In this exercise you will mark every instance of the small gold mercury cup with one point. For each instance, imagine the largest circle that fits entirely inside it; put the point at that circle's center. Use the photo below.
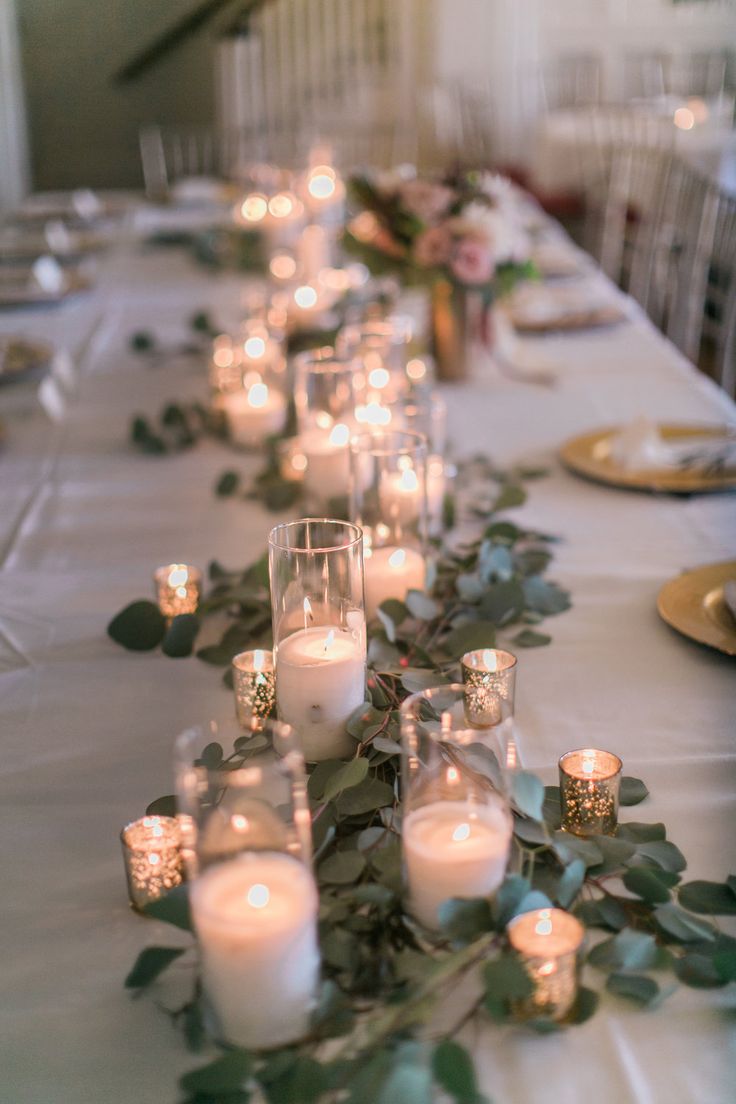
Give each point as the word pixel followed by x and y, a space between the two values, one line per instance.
pixel 153 858
pixel 254 685
pixel 590 781
pixel 489 676
pixel 178 589
pixel 548 942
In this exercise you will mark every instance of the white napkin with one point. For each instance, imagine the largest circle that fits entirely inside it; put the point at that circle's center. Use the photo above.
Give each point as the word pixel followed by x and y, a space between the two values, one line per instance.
pixel 86 204
pixel 48 275
pixel 639 446
pixel 57 236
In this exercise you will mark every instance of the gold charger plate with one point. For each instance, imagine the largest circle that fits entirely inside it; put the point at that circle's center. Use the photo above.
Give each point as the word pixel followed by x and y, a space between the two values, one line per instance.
pixel 588 455
pixel 694 605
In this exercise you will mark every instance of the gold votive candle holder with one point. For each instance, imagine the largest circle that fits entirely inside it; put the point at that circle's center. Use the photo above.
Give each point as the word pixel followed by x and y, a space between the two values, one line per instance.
pixel 590 780
pixel 548 942
pixel 489 676
pixel 153 858
pixel 254 684
pixel 178 588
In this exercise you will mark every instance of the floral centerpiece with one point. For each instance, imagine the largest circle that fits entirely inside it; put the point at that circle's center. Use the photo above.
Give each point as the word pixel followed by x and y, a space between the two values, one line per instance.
pixel 460 234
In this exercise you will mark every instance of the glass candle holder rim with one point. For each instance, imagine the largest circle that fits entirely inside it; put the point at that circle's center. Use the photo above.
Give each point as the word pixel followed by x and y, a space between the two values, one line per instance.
pixel 414 444
pixel 161 573
pixel 238 660
pixel 324 359
pixel 211 727
pixel 572 924
pixel 345 545
pixel 615 763
pixel 467 660
pixel 172 823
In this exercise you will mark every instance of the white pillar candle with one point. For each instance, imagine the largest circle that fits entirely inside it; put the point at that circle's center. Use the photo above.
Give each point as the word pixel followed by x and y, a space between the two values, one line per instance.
pixel 254 414
pixel 320 681
pixel 391 572
pixel 400 496
pixel 328 461
pixel 435 494
pixel 313 252
pixel 453 849
pixel 256 923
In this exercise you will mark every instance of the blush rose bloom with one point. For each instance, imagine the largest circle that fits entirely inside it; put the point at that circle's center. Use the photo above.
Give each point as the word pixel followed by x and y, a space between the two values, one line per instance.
pixel 433 247
pixel 471 262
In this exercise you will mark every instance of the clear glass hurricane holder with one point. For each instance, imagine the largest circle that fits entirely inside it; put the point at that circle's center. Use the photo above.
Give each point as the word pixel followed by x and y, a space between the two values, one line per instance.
pixel 248 377
pixel 254 900
pixel 456 823
pixel 325 397
pixel 388 499
pixel 316 569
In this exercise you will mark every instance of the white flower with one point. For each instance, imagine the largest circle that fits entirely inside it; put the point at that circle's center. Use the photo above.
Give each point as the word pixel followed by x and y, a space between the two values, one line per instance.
pixel 389 181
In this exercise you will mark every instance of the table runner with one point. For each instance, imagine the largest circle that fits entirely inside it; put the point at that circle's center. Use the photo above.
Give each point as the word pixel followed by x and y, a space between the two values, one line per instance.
pixel 88 728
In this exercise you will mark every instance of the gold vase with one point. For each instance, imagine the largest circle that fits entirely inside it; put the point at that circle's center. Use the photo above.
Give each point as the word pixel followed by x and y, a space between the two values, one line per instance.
pixel 450 338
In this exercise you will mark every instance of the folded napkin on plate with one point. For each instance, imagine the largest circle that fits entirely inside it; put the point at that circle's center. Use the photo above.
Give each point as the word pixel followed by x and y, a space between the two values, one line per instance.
pixel 639 446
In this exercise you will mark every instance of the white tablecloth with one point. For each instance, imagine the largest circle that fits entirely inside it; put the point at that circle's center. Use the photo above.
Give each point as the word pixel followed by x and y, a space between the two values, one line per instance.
pixel 88 728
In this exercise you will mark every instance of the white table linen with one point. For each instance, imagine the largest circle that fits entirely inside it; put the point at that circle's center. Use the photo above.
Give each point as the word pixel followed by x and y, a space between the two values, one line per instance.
pixel 88 727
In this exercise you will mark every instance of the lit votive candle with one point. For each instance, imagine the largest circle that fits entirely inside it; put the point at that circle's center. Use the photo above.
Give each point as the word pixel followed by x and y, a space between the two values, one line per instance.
pixel 292 460
pixel 400 495
pixel 489 676
pixel 178 589
pixel 454 849
pixel 589 786
pixel 254 684
pixel 548 942
pixel 320 681
pixel 152 857
pixel 391 572
pixel 253 414
pixel 328 461
pixel 256 922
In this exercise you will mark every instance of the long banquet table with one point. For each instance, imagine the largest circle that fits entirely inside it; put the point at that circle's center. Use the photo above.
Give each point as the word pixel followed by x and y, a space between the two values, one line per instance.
pixel 88 728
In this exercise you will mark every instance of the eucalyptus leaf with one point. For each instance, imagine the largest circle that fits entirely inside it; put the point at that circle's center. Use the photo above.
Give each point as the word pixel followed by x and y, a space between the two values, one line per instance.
pixel 636 987
pixel 628 950
pixel 463 920
pixel 225 1075
pixel 415 679
pixel 505 980
pixel 350 774
pixel 632 791
pixel 641 833
pixel 341 868
pixel 543 596
pixel 682 925
pixel 708 898
pixel 584 1007
pixel 570 883
pixel 150 963
pixel 511 495
pixel 173 908
pixel 698 971
pixel 528 794
pixel 454 1071
pixel 664 854
pixel 511 893
pixel 528 638
pixel 163 806
pixel 180 635
pixel 227 484
pixel 369 795
pixel 139 627
pixel 469 638
pixel 502 602
pixel 421 606
pixel 645 884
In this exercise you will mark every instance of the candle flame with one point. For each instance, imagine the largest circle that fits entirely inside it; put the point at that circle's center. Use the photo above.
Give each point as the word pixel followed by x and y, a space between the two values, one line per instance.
pixel 543 925
pixel 321 182
pixel 281 205
pixel 462 832
pixel 416 370
pixel 178 576
pixel 258 395
pixel 258 658
pixel 259 895
pixel 307 609
pixel 340 435
pixel 282 266
pixel 255 347
pixel 305 296
pixel 378 378
pixel 154 859
pixel 547 968
pixel 329 639
pixel 588 763
pixel 408 481
pixel 397 559
pixel 239 822
pixel 254 208
pixel 452 774
pixel 490 660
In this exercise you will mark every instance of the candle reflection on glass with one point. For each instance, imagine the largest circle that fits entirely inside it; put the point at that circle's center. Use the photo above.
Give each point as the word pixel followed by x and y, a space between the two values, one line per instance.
pixel 590 780
pixel 178 589
pixel 489 675
pixel 548 942
pixel 152 857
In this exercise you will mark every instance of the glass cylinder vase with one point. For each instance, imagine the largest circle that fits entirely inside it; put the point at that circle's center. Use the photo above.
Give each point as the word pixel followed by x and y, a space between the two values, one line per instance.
pixel 325 397
pixel 388 499
pixel 456 823
pixel 253 896
pixel 316 569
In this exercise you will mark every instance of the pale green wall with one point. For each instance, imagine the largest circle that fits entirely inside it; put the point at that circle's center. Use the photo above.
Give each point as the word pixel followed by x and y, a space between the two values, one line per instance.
pixel 84 130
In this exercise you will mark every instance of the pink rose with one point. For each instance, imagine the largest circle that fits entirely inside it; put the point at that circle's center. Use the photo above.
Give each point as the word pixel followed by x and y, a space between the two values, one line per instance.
pixel 433 247
pixel 427 201
pixel 471 262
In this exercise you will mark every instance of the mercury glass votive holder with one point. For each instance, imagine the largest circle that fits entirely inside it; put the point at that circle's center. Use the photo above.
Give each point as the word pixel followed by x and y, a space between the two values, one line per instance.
pixel 178 588
pixel 153 858
pixel 489 677
pixel 548 941
pixel 590 781
pixel 254 684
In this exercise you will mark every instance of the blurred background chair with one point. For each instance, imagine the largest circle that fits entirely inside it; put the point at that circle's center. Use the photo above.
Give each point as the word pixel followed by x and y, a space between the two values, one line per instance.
pixel 573 80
